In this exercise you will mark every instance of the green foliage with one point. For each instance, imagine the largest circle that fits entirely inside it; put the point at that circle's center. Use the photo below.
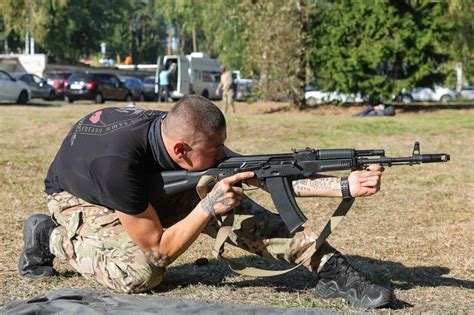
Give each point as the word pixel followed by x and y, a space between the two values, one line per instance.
pixel 461 46
pixel 95 59
pixel 223 24
pixel 378 48
pixel 274 47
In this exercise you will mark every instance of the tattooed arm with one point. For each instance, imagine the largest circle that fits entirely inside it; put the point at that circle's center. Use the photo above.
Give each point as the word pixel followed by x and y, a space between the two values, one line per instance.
pixel 163 246
pixel 362 183
pixel 323 186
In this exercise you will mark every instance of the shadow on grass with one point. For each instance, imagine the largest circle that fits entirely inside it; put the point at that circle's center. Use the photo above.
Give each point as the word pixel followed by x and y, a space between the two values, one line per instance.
pixel 431 107
pixel 280 109
pixel 33 104
pixel 387 273
pixel 412 107
pixel 405 278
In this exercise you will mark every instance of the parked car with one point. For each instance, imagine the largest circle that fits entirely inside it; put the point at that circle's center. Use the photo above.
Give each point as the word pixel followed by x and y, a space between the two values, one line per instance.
pixel 314 97
pixel 467 92
pixel 136 86
pixel 57 81
pixel 242 87
pixel 12 89
pixel 96 86
pixel 426 94
pixel 309 88
pixel 39 87
pixel 149 86
pixel 243 90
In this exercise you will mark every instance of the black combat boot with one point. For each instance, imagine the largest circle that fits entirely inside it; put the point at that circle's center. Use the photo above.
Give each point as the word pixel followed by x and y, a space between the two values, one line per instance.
pixel 36 260
pixel 339 279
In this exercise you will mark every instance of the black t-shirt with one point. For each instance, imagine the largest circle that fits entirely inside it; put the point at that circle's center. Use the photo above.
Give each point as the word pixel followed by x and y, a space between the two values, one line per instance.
pixel 108 157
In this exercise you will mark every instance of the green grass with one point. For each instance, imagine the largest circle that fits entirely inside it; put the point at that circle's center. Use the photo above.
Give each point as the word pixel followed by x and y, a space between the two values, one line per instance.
pixel 415 235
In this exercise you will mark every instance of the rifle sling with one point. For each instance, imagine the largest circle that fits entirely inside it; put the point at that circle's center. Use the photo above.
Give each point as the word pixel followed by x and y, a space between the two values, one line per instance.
pixel 228 222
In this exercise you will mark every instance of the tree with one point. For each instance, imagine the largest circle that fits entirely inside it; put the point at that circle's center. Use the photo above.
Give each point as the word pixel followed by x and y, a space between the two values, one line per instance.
pixel 25 18
pixel 461 45
pixel 77 28
pixel 223 26
pixel 275 49
pixel 378 48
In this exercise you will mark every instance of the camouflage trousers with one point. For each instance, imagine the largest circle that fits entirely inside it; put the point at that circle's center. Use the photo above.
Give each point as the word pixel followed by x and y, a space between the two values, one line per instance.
pixel 228 98
pixel 92 240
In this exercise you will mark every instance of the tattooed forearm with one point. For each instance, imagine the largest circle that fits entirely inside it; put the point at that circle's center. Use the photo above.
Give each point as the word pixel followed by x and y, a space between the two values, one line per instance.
pixel 317 186
pixel 158 259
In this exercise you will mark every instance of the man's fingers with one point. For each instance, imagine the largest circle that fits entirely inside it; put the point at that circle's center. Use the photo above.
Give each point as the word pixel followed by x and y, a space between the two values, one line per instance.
pixel 238 177
pixel 375 167
pixel 238 190
pixel 370 173
pixel 370 183
pixel 369 178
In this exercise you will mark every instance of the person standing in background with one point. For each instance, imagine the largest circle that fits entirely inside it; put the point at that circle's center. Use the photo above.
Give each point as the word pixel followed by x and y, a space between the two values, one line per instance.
pixel 165 83
pixel 226 85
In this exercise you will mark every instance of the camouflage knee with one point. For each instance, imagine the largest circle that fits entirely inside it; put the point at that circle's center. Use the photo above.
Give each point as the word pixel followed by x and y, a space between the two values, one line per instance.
pixel 130 274
pixel 123 270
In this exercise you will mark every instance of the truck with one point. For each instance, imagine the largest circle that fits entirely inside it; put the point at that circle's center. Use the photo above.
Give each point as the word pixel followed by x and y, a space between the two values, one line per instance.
pixel 196 73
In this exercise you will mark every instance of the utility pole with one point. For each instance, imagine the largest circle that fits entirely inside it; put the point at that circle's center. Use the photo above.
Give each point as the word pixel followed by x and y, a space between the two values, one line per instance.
pixel 29 40
pixel 5 40
pixel 194 38
pixel 459 77
pixel 27 35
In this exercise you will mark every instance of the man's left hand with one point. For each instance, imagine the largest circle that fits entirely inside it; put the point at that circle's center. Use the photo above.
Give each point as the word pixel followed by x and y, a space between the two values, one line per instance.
pixel 363 183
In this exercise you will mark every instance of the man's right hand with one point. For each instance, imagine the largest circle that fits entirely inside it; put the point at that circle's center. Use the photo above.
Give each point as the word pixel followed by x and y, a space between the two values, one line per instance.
pixel 224 196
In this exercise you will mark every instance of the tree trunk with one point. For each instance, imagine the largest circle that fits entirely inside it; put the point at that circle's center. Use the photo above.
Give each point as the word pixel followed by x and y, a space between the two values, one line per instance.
pixel 131 40
pixel 194 38
pixel 170 40
pixel 182 42
pixel 300 74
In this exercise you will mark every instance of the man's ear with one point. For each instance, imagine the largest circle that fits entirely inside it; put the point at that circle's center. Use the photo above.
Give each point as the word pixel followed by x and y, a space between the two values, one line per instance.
pixel 180 149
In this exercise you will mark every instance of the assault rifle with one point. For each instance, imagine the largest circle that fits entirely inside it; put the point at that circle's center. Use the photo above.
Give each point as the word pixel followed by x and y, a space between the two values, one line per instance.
pixel 277 171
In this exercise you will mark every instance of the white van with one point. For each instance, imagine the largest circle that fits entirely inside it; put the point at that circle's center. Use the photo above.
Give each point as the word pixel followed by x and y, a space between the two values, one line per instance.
pixel 196 73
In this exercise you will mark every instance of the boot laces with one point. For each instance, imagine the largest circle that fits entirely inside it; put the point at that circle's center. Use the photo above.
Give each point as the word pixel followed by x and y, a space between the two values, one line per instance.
pixel 348 275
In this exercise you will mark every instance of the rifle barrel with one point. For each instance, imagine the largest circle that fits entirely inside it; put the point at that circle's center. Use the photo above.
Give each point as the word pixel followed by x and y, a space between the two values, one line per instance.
pixel 409 160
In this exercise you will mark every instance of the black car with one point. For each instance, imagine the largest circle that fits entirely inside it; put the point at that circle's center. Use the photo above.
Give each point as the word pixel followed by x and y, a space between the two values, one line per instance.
pixel 149 85
pixel 39 87
pixel 96 86
pixel 136 86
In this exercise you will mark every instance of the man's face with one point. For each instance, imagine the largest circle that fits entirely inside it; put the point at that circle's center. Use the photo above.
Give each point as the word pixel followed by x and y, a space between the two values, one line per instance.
pixel 206 152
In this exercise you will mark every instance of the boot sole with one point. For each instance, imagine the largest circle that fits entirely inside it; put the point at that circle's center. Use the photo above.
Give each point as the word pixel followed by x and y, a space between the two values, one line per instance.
pixel 332 290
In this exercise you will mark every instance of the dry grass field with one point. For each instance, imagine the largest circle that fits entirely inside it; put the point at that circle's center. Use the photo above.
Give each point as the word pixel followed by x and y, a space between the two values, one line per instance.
pixel 416 235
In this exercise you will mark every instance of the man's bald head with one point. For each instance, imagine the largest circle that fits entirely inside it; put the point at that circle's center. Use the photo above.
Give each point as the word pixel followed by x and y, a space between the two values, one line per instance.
pixel 193 116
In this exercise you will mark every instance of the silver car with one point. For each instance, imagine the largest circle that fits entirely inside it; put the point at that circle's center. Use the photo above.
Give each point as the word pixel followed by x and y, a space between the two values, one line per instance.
pixel 12 89
pixel 39 87
pixel 426 94
pixel 467 92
